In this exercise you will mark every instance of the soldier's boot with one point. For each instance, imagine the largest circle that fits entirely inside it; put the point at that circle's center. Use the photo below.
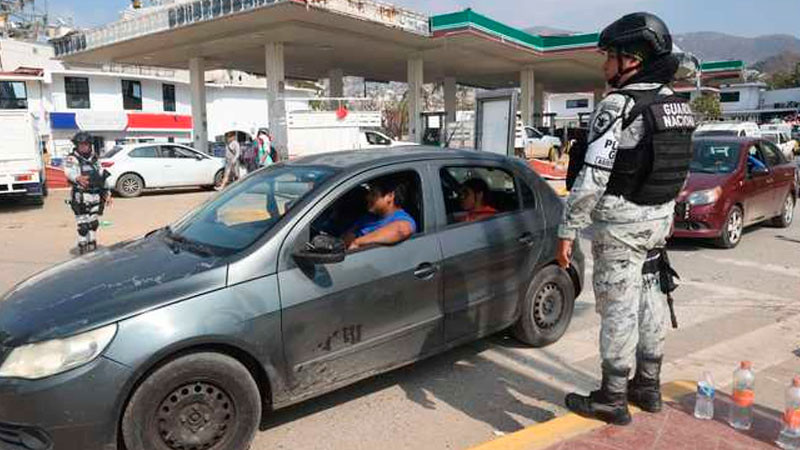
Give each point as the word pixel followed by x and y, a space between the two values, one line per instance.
pixel 644 390
pixel 83 248
pixel 609 403
pixel 91 246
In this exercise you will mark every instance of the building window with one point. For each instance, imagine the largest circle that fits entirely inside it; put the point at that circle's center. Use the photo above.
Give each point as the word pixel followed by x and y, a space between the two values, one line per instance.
pixel 132 94
pixel 77 90
pixel 13 95
pixel 169 97
pixel 578 103
pixel 729 97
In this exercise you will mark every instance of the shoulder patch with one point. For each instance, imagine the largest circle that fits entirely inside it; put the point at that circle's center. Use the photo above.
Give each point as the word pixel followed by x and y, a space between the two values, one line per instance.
pixel 602 121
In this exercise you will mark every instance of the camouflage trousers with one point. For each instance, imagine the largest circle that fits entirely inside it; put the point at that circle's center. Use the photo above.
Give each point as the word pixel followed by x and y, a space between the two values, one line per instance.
pixel 632 308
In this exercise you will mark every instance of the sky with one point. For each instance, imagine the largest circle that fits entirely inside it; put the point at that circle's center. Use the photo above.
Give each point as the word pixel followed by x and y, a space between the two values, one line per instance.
pixel 746 18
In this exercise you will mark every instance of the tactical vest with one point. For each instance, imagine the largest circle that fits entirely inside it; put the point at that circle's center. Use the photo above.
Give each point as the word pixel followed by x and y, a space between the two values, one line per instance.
pixel 90 168
pixel 654 172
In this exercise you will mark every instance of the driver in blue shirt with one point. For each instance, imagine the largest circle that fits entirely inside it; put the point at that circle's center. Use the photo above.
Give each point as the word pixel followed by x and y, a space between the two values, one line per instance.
pixel 754 163
pixel 386 223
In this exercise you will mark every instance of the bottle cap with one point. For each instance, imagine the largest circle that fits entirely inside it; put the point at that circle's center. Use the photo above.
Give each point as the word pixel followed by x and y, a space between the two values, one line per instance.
pixel 746 365
pixel 796 381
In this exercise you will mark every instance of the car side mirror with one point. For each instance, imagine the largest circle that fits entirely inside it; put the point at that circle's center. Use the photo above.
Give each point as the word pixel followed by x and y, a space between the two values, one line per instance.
pixel 199 157
pixel 323 249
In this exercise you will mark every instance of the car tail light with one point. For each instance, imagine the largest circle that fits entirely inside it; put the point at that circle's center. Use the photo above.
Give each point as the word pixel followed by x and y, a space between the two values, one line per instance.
pixel 27 177
pixel 106 163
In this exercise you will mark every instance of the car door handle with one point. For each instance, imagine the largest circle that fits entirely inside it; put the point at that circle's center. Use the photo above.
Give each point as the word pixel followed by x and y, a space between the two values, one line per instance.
pixel 425 271
pixel 526 239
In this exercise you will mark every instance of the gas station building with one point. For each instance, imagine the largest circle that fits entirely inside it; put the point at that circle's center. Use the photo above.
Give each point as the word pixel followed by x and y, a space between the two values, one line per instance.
pixel 316 39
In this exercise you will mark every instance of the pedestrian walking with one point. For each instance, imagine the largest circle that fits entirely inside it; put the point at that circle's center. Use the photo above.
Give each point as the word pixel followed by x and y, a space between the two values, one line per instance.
pixel 90 193
pixel 264 148
pixel 232 164
pixel 635 163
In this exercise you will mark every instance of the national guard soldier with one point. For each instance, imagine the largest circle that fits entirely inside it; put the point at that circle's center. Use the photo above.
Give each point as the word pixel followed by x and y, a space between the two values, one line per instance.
pixel 635 164
pixel 89 191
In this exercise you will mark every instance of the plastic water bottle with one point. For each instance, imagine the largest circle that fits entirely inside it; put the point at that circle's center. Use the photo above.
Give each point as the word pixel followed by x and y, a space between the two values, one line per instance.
pixel 789 438
pixel 106 223
pixel 704 401
pixel 743 397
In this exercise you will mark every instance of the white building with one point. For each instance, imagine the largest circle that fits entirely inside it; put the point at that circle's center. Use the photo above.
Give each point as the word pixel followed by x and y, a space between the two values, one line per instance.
pixel 752 101
pixel 570 109
pixel 116 103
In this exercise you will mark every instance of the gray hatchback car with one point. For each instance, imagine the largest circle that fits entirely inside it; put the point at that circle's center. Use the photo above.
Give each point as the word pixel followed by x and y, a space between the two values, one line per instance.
pixel 184 338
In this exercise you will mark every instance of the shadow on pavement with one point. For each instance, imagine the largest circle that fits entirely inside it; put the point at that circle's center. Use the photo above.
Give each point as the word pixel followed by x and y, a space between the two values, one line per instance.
pixel 691 245
pixel 787 239
pixel 465 379
pixel 18 205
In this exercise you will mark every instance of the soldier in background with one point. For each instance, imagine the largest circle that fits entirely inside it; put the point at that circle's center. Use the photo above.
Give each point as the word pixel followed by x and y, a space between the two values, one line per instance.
pixel 90 194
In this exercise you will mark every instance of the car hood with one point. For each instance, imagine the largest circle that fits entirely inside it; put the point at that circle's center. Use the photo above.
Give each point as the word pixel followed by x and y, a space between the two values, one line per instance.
pixel 699 181
pixel 103 287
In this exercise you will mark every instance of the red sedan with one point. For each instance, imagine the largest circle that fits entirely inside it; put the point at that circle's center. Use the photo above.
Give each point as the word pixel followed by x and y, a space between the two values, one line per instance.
pixel 733 183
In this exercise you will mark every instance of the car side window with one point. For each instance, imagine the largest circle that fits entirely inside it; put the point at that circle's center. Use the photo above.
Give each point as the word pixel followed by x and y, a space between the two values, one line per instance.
pixel 144 152
pixel 529 132
pixel 474 193
pixel 351 212
pixel 169 151
pixel 376 139
pixel 771 154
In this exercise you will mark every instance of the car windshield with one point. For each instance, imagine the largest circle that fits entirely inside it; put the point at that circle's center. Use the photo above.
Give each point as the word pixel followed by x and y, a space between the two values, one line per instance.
pixel 716 133
pixel 248 209
pixel 715 157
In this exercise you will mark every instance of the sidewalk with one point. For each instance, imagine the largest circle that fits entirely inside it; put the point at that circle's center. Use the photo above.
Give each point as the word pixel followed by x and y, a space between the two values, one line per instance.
pixel 674 428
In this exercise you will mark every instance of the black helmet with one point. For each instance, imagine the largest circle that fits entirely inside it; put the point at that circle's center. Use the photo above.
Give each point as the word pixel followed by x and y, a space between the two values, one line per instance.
pixel 640 34
pixel 81 137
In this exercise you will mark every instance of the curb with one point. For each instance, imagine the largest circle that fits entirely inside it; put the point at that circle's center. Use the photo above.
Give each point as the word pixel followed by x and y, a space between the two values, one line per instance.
pixel 555 431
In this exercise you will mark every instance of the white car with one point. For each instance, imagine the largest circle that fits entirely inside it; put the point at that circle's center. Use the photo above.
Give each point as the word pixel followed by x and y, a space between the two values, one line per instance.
pixel 376 139
pixel 749 129
pixel 783 140
pixel 134 168
pixel 537 145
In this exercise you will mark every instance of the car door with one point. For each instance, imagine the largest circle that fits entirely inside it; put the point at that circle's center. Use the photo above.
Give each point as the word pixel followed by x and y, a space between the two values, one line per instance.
pixel 146 161
pixel 781 177
pixel 181 167
pixel 757 189
pixel 487 262
pixel 378 308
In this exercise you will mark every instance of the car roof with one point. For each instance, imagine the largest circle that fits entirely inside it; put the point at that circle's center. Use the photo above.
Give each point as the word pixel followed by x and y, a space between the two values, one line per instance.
pixel 376 157
pixel 729 139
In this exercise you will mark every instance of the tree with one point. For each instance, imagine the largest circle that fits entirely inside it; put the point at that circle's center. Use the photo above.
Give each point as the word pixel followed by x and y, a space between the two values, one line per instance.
pixel 707 107
pixel 785 79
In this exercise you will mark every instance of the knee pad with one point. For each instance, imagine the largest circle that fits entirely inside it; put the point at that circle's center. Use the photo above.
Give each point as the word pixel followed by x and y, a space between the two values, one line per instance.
pixel 93 225
pixel 83 229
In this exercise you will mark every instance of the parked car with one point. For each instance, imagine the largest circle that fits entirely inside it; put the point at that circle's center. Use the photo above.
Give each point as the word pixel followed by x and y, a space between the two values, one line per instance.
pixel 728 191
pixel 535 144
pixel 782 140
pixel 186 337
pixel 749 129
pixel 134 168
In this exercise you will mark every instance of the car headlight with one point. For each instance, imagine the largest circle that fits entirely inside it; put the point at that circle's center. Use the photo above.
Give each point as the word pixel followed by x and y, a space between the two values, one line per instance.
pixel 705 197
pixel 55 356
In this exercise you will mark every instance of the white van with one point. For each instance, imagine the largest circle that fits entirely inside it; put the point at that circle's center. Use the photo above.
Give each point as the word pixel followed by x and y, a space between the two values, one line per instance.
pixel 749 129
pixel 22 171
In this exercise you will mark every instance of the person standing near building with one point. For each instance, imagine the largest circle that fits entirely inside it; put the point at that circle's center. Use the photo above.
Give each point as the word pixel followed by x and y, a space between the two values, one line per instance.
pixel 232 156
pixel 90 194
pixel 635 164
pixel 264 148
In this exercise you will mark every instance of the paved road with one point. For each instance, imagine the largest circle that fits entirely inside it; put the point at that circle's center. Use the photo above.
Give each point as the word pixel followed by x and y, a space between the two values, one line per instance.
pixel 735 304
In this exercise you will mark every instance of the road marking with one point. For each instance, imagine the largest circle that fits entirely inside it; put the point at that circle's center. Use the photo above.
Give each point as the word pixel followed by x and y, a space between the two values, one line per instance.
pixel 560 429
pixel 774 268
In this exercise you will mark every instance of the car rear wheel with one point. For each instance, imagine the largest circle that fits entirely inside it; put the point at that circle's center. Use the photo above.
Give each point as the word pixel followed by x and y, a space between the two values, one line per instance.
pixel 547 308
pixel 200 401
pixel 130 185
pixel 787 213
pixel 732 228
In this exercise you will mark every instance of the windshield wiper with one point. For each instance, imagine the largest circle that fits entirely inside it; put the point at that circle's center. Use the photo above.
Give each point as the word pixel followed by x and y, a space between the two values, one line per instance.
pixel 187 244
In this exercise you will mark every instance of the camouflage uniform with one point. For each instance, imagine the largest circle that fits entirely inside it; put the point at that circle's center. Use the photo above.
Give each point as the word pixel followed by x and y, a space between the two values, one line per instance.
pixel 632 307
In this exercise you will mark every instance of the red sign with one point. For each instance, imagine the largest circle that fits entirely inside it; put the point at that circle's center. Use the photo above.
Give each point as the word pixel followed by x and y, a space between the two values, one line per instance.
pixel 163 122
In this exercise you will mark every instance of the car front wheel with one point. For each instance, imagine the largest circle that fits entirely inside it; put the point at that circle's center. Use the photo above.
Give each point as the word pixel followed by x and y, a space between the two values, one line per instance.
pixel 732 228
pixel 787 213
pixel 198 401
pixel 547 308
pixel 130 185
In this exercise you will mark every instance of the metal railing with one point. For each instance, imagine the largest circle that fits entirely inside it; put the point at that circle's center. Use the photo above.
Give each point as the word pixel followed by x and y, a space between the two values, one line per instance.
pixel 186 12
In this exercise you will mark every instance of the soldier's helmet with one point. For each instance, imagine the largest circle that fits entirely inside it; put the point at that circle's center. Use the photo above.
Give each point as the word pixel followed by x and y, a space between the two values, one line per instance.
pixel 81 137
pixel 642 35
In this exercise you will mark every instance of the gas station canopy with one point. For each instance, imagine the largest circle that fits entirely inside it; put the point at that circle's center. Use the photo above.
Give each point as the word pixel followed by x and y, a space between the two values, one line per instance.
pixel 359 37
